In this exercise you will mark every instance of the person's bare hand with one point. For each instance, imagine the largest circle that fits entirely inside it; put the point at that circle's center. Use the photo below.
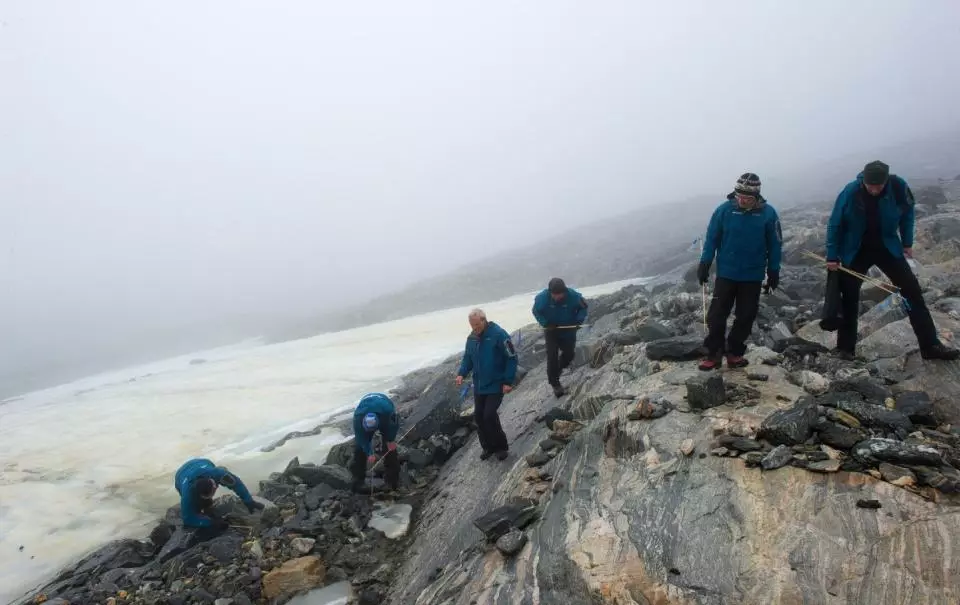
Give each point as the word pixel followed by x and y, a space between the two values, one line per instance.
pixel 832 265
pixel 459 381
pixel 908 252
pixel 507 388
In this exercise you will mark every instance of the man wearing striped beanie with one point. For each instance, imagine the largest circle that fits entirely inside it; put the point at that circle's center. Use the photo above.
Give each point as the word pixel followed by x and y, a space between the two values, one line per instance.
pixel 744 236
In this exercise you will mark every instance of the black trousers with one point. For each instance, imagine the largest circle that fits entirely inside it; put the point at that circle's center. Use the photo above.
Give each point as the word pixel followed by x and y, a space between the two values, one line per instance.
pixel 391 467
pixel 898 272
pixel 727 293
pixel 560 351
pixel 486 413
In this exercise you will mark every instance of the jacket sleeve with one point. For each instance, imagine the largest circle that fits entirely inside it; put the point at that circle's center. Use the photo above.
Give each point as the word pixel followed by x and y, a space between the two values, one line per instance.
pixel 538 308
pixel 231 481
pixel 835 227
pixel 188 510
pixel 581 314
pixel 391 427
pixel 774 242
pixel 712 240
pixel 466 364
pixel 360 437
pixel 510 370
pixel 908 219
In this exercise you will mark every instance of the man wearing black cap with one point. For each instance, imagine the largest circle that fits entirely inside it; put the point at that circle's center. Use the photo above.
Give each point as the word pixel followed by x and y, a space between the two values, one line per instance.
pixel 561 311
pixel 744 236
pixel 872 224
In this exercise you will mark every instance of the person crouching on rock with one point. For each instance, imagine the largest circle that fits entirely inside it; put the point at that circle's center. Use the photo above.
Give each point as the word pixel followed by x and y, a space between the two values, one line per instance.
pixel 196 482
pixel 745 237
pixel 560 311
pixel 490 355
pixel 872 223
pixel 375 412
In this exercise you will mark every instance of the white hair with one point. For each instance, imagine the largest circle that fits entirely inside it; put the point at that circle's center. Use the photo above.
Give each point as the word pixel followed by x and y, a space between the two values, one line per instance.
pixel 478 313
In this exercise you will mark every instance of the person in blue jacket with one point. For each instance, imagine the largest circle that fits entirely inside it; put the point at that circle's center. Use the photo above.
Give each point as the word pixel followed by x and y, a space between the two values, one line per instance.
pixel 196 482
pixel 560 311
pixel 872 223
pixel 375 412
pixel 490 355
pixel 744 236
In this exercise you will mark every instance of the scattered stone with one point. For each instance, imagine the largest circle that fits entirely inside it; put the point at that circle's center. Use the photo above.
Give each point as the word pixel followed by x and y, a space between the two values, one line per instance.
pixel 556 414
pixel 838 436
pixel 720 451
pixel 705 391
pixel 791 426
pixel 897 475
pixel 677 348
pixel 538 459
pixel 686 448
pixel 869 504
pixel 831 453
pixel 824 466
pixel 336 477
pixel 917 406
pixel 753 459
pixel 811 382
pixel 549 444
pixel 563 430
pixel 648 409
pixel 740 444
pixel 843 418
pixel 778 457
pixel 875 416
pixel 302 546
pixel 501 520
pixel 877 450
pixel 757 377
pixel 512 542
pixel 294 576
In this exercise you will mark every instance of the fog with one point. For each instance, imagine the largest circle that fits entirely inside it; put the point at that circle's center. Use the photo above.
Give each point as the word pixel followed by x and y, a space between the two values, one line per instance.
pixel 177 173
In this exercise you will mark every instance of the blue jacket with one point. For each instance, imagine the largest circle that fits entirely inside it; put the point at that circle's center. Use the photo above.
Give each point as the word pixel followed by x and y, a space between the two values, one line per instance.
pixel 746 243
pixel 848 221
pixel 492 359
pixel 195 469
pixel 379 404
pixel 572 311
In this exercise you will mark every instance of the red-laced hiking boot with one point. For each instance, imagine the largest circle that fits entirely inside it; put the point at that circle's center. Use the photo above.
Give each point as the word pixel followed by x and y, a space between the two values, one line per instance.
pixel 736 361
pixel 710 363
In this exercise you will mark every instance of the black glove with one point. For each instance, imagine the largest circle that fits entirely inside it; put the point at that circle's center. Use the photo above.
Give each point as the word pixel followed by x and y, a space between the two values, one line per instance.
pixel 219 524
pixel 550 327
pixel 703 273
pixel 254 506
pixel 773 280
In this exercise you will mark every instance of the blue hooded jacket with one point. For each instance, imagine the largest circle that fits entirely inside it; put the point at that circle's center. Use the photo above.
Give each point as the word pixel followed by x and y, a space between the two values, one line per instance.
pixel 197 468
pixel 389 424
pixel 746 243
pixel 571 311
pixel 492 359
pixel 848 221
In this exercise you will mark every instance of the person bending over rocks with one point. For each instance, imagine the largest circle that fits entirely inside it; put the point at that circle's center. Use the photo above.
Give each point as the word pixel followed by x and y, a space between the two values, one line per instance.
pixel 490 355
pixel 745 237
pixel 560 311
pixel 375 412
pixel 196 482
pixel 872 223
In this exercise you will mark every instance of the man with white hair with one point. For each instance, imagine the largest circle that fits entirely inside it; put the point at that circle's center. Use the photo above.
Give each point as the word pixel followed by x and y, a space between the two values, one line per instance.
pixel 490 355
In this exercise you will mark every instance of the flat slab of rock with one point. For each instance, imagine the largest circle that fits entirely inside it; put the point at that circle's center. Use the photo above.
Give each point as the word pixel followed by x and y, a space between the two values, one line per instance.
pixel 501 520
pixel 393 520
pixel 677 348
pixel 897 475
pixel 791 426
pixel 824 466
pixel 778 457
pixel 294 576
pixel 876 450
pixel 917 406
pixel 335 476
pixel 706 391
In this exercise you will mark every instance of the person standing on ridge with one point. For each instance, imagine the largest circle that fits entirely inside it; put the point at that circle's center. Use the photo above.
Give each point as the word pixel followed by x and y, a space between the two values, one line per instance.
pixel 375 412
pixel 745 237
pixel 490 355
pixel 196 482
pixel 560 311
pixel 872 223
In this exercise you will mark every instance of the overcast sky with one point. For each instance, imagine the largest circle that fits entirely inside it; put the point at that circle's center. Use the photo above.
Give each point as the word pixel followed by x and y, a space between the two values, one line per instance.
pixel 162 164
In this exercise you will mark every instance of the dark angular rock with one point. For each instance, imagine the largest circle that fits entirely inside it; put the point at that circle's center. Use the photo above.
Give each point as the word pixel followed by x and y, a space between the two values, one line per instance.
pixel 336 477
pixel 757 376
pixel 416 458
pixel 852 466
pixel 824 466
pixel 740 444
pixel 869 504
pixel 161 533
pixel 341 454
pixel 897 474
pixel 316 495
pixel 442 448
pixel 705 391
pixel 837 436
pixel 538 459
pixel 512 542
pixel 650 409
pixel 677 348
pixel 790 426
pixel 917 406
pixel 516 515
pixel 877 416
pixel 753 459
pixel 868 386
pixel 777 457
pixel 876 450
pixel 275 491
pixel 556 414
pixel 549 444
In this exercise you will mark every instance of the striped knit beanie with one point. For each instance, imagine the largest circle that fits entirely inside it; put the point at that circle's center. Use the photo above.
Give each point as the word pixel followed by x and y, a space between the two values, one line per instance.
pixel 748 184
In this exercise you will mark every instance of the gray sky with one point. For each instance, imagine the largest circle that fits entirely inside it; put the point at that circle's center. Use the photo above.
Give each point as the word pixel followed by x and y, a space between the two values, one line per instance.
pixel 165 164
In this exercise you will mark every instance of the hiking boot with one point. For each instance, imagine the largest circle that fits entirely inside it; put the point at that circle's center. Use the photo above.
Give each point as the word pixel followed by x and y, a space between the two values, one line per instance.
pixel 485 455
pixel 502 454
pixel 737 361
pixel 844 354
pixel 559 391
pixel 711 362
pixel 940 351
